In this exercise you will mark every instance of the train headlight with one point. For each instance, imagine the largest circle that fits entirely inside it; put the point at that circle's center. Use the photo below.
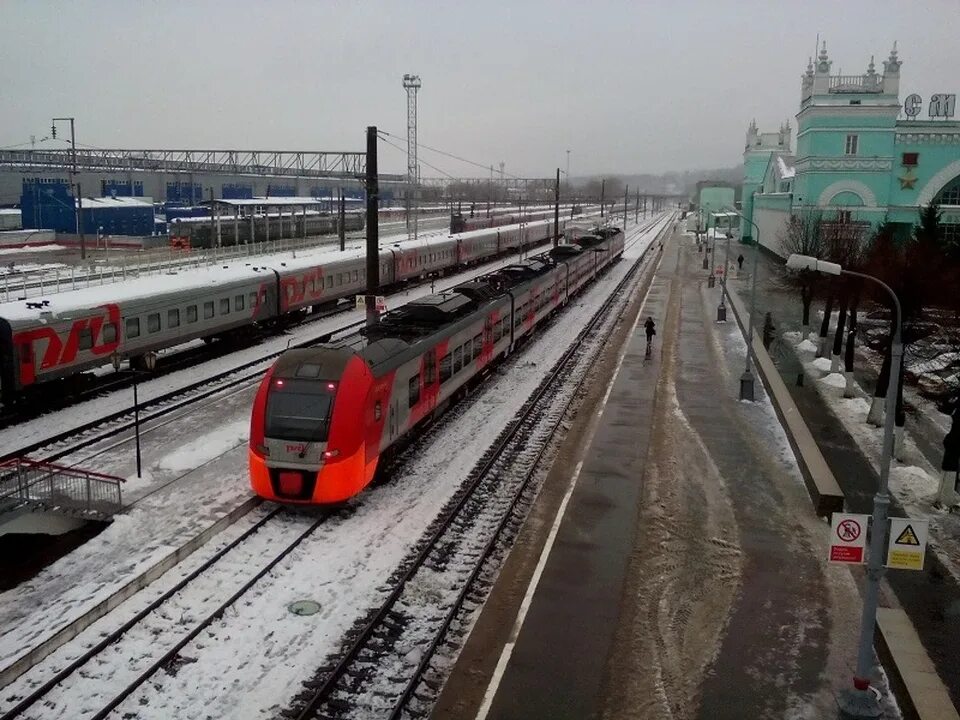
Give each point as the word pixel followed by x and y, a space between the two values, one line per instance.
pixel 331 453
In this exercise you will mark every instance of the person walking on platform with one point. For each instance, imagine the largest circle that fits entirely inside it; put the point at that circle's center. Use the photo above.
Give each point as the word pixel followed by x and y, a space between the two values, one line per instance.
pixel 740 261
pixel 651 327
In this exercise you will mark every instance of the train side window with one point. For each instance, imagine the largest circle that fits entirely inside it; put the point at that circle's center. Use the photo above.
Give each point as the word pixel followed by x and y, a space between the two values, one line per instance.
pixel 477 346
pixel 208 310
pixel 173 318
pixel 109 332
pixel 446 371
pixel 457 359
pixel 430 367
pixel 133 327
pixel 356 276
pixel 253 300
pixel 497 331
pixel 224 306
pixel 26 353
pixel 339 279
pixel 191 313
pixel 85 339
pixel 414 390
pixel 238 302
pixel 153 322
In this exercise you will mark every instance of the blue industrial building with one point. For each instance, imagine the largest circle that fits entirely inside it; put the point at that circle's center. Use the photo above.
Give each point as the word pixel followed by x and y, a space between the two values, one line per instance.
pixel 49 204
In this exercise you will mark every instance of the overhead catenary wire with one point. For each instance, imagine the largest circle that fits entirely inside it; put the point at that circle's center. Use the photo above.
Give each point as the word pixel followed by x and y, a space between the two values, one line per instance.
pixel 403 150
pixel 453 156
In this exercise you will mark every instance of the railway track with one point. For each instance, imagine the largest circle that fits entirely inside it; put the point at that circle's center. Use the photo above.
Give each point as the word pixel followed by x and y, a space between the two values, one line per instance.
pixel 388 660
pixel 120 661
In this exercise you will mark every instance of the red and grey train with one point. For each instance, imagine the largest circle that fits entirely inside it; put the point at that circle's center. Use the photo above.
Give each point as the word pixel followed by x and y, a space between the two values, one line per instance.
pixel 61 335
pixel 324 417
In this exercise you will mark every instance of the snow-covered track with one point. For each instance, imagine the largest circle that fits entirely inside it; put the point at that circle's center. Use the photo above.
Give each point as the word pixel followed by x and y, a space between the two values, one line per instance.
pixel 220 581
pixel 381 667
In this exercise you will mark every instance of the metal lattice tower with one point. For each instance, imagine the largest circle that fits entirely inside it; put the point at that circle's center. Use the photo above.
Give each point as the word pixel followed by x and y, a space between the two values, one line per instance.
pixel 412 83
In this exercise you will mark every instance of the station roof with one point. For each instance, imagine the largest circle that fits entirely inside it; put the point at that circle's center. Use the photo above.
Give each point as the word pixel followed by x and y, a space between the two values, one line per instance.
pixel 269 201
pixel 94 203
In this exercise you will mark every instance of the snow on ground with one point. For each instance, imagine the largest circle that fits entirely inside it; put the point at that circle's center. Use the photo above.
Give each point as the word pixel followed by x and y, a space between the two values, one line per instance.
pixel 845 600
pixel 30 249
pixel 914 482
pixel 185 504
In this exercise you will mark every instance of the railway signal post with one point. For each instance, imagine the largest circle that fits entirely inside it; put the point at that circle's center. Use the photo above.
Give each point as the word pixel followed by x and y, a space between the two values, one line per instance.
pixel 149 362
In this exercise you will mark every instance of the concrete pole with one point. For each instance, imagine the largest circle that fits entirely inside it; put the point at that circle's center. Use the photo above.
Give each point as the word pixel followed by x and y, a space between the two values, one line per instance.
pixel 626 199
pixel 373 228
pixel 556 211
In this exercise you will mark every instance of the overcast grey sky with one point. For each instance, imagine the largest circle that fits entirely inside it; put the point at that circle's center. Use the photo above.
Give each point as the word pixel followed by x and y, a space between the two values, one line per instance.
pixel 643 86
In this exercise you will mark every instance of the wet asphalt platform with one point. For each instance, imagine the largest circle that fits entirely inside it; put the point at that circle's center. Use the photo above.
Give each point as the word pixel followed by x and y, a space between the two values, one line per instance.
pixel 687 576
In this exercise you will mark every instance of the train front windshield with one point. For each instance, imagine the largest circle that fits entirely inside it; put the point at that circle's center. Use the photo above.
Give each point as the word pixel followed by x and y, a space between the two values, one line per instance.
pixel 299 410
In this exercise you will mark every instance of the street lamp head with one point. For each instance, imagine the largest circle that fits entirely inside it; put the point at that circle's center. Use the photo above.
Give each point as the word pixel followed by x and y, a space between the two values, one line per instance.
pixel 806 262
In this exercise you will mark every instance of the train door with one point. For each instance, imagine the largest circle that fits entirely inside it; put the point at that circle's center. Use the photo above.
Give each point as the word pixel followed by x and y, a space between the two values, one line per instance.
pixel 392 420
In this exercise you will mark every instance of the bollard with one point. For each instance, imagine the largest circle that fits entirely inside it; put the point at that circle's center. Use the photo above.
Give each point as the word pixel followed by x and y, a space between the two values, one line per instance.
pixel 721 313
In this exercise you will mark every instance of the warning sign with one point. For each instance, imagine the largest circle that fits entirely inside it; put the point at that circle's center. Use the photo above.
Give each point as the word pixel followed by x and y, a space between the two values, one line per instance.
pixel 380 303
pixel 848 538
pixel 908 544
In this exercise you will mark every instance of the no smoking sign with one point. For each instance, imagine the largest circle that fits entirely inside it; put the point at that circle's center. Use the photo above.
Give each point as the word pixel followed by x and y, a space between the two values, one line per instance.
pixel 848 538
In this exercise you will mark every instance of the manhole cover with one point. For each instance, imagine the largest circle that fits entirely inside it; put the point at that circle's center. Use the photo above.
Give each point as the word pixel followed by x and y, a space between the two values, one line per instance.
pixel 304 607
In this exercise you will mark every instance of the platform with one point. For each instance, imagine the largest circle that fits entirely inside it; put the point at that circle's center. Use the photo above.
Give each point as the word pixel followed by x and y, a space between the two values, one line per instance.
pixel 673 565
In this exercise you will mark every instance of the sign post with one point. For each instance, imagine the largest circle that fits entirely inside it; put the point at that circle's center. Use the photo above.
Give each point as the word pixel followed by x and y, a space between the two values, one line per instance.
pixel 907 544
pixel 848 538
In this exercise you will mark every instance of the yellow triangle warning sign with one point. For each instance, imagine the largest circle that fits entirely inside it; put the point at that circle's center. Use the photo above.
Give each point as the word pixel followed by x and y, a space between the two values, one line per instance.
pixel 907 537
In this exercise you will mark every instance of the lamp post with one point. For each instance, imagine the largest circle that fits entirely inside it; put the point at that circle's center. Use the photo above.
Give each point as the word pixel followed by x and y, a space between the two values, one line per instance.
pixel 150 362
pixel 746 380
pixel 859 701
pixel 721 308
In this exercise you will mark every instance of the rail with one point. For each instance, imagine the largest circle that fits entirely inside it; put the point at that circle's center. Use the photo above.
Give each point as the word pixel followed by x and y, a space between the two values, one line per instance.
pixel 56 488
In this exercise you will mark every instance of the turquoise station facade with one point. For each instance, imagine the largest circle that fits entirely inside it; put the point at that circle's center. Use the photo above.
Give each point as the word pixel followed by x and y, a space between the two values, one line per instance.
pixel 863 156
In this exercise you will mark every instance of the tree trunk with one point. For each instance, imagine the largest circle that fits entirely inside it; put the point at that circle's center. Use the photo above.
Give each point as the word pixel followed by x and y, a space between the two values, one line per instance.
pixel 841 323
pixel 951 461
pixel 875 416
pixel 806 297
pixel 900 419
pixel 825 325
pixel 848 391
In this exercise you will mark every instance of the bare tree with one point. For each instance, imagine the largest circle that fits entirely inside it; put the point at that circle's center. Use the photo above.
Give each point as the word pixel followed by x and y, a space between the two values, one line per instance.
pixel 804 236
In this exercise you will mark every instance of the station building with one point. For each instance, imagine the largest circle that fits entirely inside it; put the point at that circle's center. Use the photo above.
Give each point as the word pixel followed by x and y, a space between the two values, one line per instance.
pixel 862 156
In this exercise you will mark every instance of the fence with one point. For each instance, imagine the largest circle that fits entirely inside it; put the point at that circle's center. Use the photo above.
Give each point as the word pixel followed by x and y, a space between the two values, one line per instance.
pixel 45 486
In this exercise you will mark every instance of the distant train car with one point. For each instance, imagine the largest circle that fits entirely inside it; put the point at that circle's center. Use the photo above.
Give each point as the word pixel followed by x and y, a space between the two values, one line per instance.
pixel 323 418
pixel 201 232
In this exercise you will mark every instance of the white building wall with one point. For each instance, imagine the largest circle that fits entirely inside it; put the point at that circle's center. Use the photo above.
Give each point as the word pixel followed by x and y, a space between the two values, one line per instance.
pixel 772 225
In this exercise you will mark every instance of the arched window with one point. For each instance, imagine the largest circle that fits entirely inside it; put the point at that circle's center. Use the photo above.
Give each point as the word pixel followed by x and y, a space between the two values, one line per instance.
pixel 950 195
